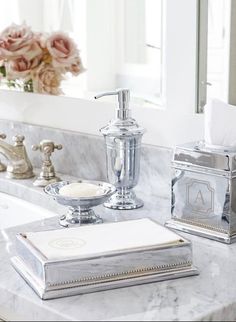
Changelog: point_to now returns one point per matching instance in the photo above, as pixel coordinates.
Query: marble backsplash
(83, 156)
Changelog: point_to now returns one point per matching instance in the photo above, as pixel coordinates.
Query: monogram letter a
(199, 198)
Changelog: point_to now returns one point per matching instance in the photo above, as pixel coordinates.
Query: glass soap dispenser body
(123, 138)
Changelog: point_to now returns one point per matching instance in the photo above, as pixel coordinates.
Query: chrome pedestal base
(78, 216)
(124, 200)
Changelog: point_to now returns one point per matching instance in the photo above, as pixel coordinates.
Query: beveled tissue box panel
(204, 192)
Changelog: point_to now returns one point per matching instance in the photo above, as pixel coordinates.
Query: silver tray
(59, 278)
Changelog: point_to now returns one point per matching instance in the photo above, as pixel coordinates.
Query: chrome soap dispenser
(123, 150)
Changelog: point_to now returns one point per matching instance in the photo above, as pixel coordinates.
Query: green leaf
(11, 84)
(28, 86)
(3, 71)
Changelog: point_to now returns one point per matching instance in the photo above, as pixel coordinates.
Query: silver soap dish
(80, 209)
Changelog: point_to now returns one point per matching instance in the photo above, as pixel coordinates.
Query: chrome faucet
(19, 166)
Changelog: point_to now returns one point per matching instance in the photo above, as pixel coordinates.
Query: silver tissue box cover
(204, 192)
(59, 278)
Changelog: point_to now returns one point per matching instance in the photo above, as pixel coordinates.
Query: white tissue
(220, 124)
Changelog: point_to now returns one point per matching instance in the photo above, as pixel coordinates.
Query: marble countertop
(209, 296)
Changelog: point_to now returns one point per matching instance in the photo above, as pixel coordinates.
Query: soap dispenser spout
(123, 111)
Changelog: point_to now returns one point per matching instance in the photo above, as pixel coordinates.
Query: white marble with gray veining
(83, 156)
(209, 296)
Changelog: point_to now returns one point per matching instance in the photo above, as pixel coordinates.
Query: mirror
(217, 51)
(120, 42)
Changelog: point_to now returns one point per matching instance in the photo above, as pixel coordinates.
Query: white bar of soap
(81, 190)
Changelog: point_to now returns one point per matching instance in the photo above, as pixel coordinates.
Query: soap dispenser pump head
(123, 111)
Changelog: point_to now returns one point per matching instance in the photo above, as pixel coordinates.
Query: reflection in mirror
(217, 51)
(120, 42)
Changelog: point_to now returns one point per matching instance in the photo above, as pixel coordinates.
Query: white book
(89, 241)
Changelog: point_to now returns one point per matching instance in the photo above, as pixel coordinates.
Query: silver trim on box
(200, 231)
(65, 290)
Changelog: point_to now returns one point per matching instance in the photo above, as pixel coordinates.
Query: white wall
(232, 69)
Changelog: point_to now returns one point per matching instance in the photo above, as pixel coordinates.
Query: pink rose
(41, 39)
(62, 49)
(47, 80)
(76, 67)
(21, 68)
(17, 41)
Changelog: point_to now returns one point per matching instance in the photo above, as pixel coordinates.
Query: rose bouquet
(37, 62)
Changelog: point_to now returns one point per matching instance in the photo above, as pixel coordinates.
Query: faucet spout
(8, 151)
(19, 166)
